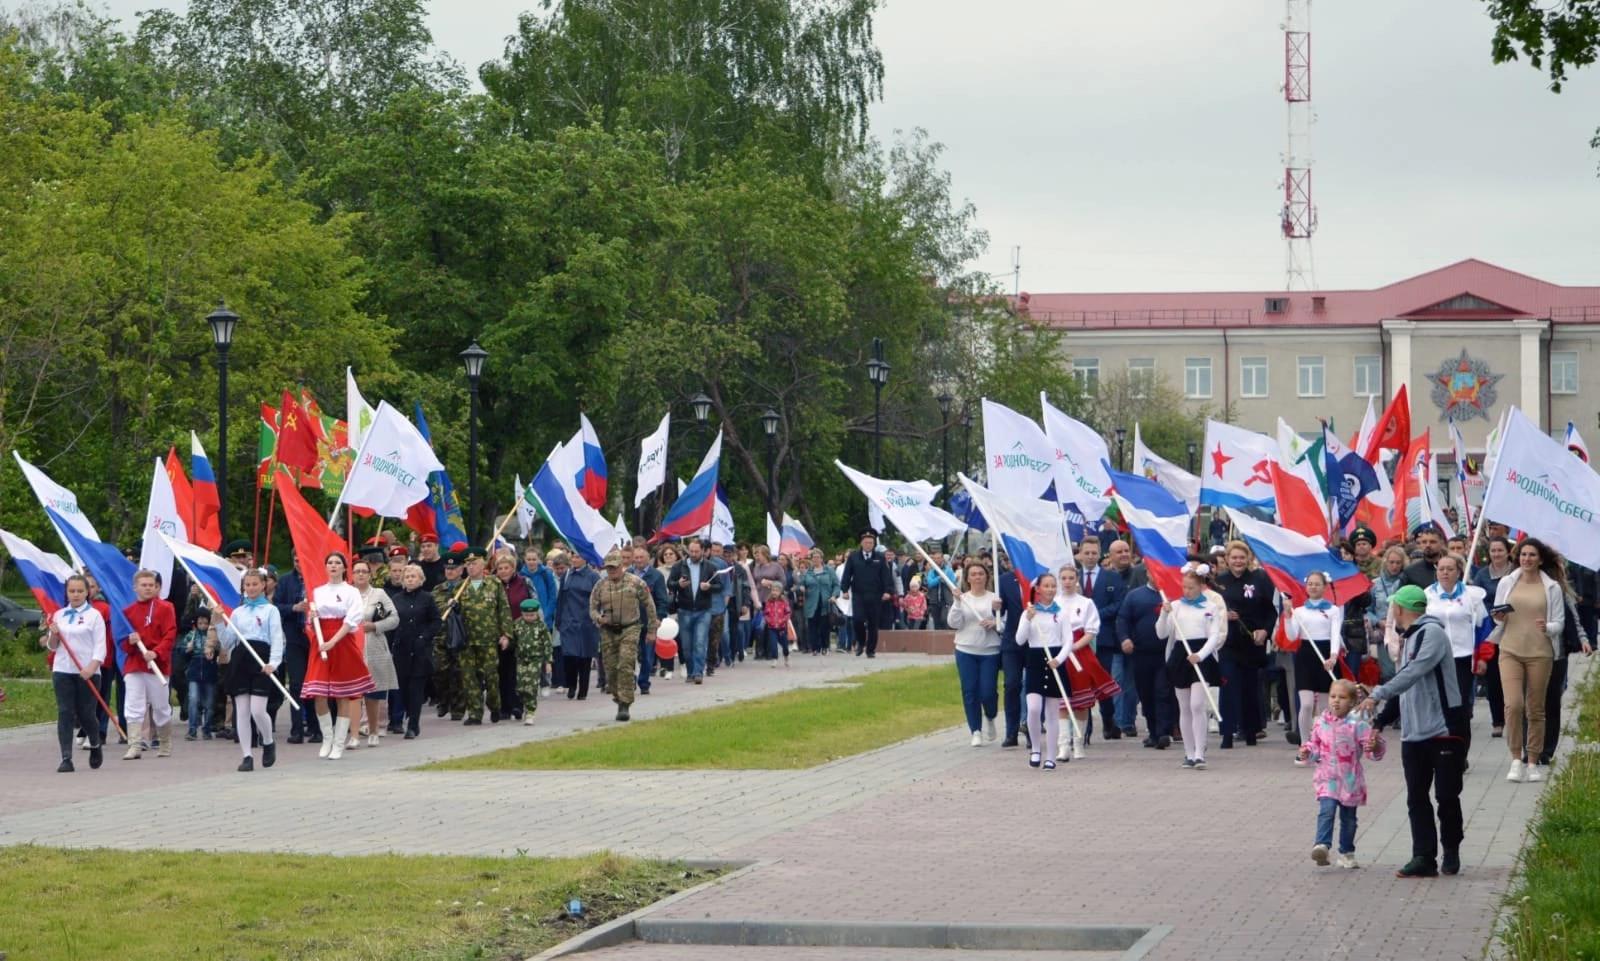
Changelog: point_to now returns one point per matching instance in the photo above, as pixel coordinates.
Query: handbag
(455, 631)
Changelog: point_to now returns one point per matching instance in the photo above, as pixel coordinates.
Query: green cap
(1410, 597)
(453, 559)
(529, 605)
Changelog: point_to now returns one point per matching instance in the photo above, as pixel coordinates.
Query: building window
(1197, 378)
(1087, 371)
(1311, 381)
(1141, 374)
(1369, 375)
(1563, 372)
(1252, 377)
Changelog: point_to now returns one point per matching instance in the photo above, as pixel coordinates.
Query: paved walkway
(927, 830)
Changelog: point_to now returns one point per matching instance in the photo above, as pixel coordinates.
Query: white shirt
(1183, 621)
(1047, 630)
(1461, 615)
(343, 602)
(83, 631)
(1313, 625)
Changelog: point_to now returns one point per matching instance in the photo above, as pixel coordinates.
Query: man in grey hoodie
(1424, 694)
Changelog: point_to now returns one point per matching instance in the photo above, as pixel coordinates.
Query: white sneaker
(1348, 862)
(1536, 772)
(352, 742)
(977, 739)
(1319, 855)
(527, 720)
(988, 729)
(1515, 774)
(372, 740)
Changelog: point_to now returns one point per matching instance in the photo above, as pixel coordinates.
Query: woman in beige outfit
(1529, 634)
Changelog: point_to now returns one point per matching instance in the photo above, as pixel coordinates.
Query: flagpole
(492, 538)
(216, 605)
(255, 527)
(93, 689)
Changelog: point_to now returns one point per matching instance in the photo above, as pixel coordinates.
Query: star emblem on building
(1464, 388)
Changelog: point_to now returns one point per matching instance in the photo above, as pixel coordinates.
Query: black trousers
(1464, 681)
(866, 627)
(821, 627)
(1493, 691)
(577, 671)
(506, 668)
(413, 685)
(303, 721)
(1013, 660)
(1241, 697)
(1156, 701)
(1552, 708)
(1435, 765)
(74, 709)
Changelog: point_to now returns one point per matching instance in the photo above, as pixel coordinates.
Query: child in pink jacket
(1338, 739)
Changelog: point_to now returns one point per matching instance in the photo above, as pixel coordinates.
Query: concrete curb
(892, 934)
(623, 929)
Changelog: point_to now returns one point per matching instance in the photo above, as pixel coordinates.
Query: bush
(20, 655)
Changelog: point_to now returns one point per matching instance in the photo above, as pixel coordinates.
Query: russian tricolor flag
(1024, 565)
(206, 531)
(111, 570)
(1159, 524)
(697, 502)
(45, 573)
(1289, 558)
(795, 539)
(217, 576)
(592, 481)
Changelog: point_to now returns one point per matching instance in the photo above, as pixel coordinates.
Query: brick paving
(927, 830)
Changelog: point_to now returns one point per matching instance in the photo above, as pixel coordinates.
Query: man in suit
(1119, 558)
(1012, 655)
(869, 583)
(693, 583)
(1105, 587)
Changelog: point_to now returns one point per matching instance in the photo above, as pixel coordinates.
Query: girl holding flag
(1316, 625)
(1087, 680)
(260, 626)
(338, 670)
(77, 638)
(1193, 627)
(1045, 633)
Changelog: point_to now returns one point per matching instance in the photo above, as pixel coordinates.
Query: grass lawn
(1553, 912)
(795, 729)
(161, 905)
(28, 701)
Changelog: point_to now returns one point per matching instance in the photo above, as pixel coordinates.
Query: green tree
(1563, 35)
(1167, 422)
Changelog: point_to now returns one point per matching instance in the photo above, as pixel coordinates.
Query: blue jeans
(647, 662)
(1128, 700)
(694, 632)
(1347, 824)
(201, 696)
(778, 637)
(845, 634)
(725, 642)
(741, 638)
(980, 686)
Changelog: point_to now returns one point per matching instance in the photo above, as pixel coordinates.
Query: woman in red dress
(1087, 680)
(340, 672)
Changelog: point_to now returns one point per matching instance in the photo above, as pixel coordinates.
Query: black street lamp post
(1193, 449)
(473, 357)
(878, 373)
(966, 439)
(1122, 435)
(944, 438)
(769, 425)
(223, 321)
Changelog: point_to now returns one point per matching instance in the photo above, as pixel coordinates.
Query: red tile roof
(1517, 295)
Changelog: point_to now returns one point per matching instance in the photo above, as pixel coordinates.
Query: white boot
(326, 723)
(1061, 744)
(341, 733)
(1077, 748)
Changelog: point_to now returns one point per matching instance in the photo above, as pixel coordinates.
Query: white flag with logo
(1174, 479)
(1081, 462)
(774, 537)
(391, 469)
(162, 515)
(908, 505)
(525, 511)
(358, 414)
(1019, 460)
(1540, 488)
(653, 461)
(60, 500)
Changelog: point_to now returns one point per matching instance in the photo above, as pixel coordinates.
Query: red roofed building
(1466, 339)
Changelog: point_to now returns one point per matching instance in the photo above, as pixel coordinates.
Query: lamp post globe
(473, 358)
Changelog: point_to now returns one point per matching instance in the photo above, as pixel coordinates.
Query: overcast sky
(1146, 155)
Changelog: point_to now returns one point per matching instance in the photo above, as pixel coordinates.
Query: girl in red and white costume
(338, 668)
(148, 651)
(1087, 681)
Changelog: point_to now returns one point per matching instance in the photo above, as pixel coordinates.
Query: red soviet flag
(297, 439)
(1393, 430)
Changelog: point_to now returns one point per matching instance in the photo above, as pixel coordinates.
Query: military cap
(238, 546)
(453, 558)
(531, 604)
(614, 559)
(474, 551)
(430, 538)
(1364, 533)
(867, 532)
(399, 550)
(459, 546)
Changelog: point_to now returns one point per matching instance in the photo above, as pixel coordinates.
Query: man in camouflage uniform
(488, 616)
(446, 663)
(533, 650)
(616, 606)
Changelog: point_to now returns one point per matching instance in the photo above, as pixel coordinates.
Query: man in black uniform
(868, 582)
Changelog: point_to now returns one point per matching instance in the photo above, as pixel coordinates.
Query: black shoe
(1110, 734)
(1149, 742)
(1130, 732)
(411, 735)
(269, 754)
(297, 739)
(1163, 742)
(1249, 742)
(622, 712)
(583, 697)
(644, 690)
(571, 694)
(455, 717)
(95, 757)
(469, 722)
(871, 656)
(1227, 742)
(396, 729)
(248, 764)
(443, 710)
(859, 652)
(1293, 737)
(314, 738)
(1451, 864)
(494, 717)
(65, 767)
(1418, 868)
(1009, 742)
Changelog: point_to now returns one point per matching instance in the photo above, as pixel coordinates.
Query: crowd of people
(463, 633)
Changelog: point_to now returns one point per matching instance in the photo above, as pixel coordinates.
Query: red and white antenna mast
(1299, 217)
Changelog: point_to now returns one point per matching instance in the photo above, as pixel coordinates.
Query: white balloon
(668, 629)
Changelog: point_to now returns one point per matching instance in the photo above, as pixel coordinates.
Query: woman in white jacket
(1533, 609)
(1193, 627)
